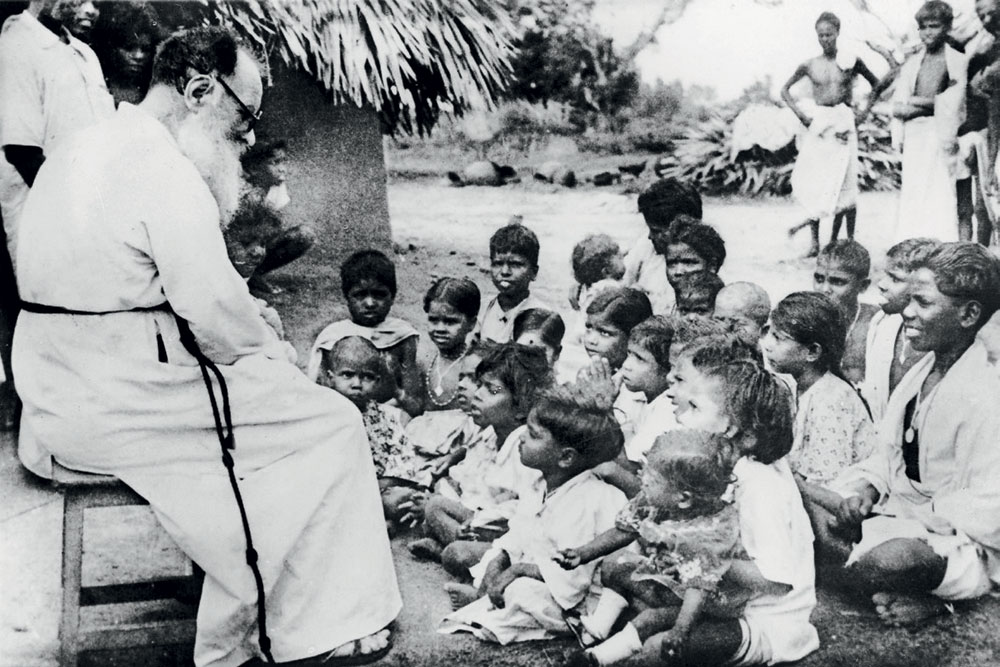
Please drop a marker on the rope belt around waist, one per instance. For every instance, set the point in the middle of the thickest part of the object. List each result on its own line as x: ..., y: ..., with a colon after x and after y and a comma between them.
x: 223, y: 429
x: 45, y: 309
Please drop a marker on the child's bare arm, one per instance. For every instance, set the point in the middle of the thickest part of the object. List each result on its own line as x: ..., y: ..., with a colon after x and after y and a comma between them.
x: 607, y: 542
x: 801, y: 72
x: 825, y: 498
x: 620, y: 473
x: 410, y: 396
x: 746, y: 574
x: 675, y: 638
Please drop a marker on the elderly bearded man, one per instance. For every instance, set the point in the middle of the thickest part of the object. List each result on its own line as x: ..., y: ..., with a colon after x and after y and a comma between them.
x: 927, y: 501
x: 121, y: 227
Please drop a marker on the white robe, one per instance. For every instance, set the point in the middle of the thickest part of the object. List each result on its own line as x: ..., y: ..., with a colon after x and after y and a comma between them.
x: 825, y: 176
x: 959, y: 428
x: 573, y: 515
x: 927, y: 199
x: 118, y: 219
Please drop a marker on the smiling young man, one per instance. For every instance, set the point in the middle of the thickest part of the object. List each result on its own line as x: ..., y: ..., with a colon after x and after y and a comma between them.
x: 888, y: 353
x: 926, y: 504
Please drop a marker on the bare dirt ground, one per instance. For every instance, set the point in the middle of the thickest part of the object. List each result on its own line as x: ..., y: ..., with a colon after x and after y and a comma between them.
x: 444, y: 230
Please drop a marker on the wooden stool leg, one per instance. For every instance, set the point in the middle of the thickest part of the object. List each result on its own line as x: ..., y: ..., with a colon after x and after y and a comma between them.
x: 72, y: 561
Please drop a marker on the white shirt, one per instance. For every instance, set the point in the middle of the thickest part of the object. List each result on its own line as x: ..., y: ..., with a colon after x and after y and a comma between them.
x: 48, y: 90
x: 776, y: 534
x: 654, y: 419
x: 646, y: 271
x: 497, y: 324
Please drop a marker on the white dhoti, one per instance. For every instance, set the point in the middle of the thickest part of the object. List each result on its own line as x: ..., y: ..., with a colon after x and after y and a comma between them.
x: 928, y: 205
x: 120, y: 220
x: 825, y: 177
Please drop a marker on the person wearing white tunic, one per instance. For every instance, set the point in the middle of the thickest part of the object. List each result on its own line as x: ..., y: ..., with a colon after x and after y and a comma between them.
x: 927, y: 502
x: 51, y: 86
x: 123, y: 224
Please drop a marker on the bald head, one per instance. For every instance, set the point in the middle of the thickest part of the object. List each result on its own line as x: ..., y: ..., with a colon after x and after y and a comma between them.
x: 357, y: 351
x: 743, y: 301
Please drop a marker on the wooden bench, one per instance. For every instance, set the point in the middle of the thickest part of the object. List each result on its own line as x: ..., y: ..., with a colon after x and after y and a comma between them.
x: 82, y: 491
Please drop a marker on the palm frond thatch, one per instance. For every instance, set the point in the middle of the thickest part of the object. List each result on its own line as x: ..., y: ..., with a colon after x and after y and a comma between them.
x: 407, y: 58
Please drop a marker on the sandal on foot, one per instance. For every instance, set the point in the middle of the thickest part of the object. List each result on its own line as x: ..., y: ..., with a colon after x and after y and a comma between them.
x: 583, y: 637
x: 355, y: 657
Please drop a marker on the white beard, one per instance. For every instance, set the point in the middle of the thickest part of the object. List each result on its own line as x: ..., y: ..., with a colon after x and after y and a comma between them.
x: 216, y: 158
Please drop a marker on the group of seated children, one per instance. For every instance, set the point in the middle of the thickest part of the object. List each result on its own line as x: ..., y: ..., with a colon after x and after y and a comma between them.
x: 664, y: 499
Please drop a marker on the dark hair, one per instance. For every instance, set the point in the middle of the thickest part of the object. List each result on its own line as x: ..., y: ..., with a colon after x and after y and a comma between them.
x: 665, y: 199
x: 760, y: 404
x: 547, y: 323
x: 692, y: 327
x: 515, y: 238
x: 829, y: 17
x: 910, y: 252
x: 121, y: 24
x: 523, y: 370
x: 591, y: 258
x: 460, y: 293
x: 581, y: 423
x: 623, y: 307
x: 850, y: 255
x: 935, y: 9
x: 701, y: 238
x: 694, y: 461
x: 367, y: 265
x: 206, y: 49
x: 696, y: 288
x: 655, y: 335
x: 811, y: 318
x: 254, y: 160
x: 966, y: 271
x: 722, y: 349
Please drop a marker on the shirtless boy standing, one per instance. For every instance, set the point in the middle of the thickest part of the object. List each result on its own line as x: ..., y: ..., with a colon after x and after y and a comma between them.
x: 825, y: 180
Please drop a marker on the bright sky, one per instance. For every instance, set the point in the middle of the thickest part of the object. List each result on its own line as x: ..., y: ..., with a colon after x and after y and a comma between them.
x: 729, y: 44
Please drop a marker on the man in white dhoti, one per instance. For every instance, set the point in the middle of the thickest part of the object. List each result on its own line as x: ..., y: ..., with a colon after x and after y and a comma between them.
x: 825, y: 177
x: 927, y: 501
x: 929, y: 101
x: 122, y: 226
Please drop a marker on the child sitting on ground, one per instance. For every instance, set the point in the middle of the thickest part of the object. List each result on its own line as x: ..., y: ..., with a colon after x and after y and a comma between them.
x: 842, y: 274
x: 688, y: 535
x: 833, y: 428
x: 692, y: 247
x: 888, y: 355
x: 353, y: 367
x: 747, y: 303
x: 645, y: 267
x: 475, y: 501
x: 452, y: 305
x: 696, y: 293
x: 368, y: 281
x: 513, y: 265
x: 519, y: 592
x: 645, y: 372
x: 725, y: 391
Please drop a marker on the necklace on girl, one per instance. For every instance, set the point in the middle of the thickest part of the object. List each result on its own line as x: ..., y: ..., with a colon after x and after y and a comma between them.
x: 437, y: 391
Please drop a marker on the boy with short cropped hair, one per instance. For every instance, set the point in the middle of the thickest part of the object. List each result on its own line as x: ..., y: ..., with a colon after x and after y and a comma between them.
x: 696, y: 293
x: 645, y: 269
x: 888, y: 355
x: 842, y: 274
x: 513, y: 265
x: 747, y: 303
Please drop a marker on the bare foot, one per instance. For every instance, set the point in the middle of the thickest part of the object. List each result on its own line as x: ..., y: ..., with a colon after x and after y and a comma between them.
x: 813, y: 252
x: 360, y: 651
x: 426, y: 548
x: 900, y: 610
x: 461, y: 594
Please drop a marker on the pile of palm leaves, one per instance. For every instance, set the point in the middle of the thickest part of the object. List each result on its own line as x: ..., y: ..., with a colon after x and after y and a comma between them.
x: 702, y: 155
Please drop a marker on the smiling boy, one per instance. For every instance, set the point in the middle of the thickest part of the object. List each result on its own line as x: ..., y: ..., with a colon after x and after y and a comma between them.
x: 513, y: 265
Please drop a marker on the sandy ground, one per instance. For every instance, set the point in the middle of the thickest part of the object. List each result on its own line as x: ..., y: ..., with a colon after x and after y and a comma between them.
x: 444, y: 231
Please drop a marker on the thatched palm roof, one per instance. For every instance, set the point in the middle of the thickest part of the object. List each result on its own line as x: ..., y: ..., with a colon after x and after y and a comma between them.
x: 407, y: 58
